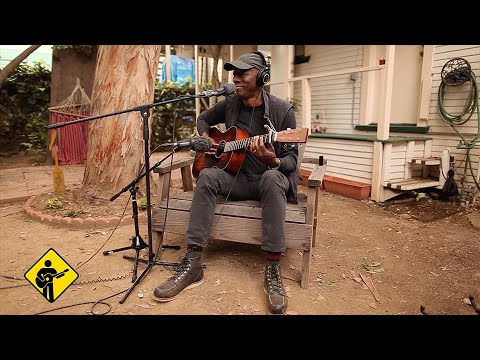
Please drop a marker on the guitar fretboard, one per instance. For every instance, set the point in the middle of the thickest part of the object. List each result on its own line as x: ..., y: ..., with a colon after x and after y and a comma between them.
x: 243, y: 143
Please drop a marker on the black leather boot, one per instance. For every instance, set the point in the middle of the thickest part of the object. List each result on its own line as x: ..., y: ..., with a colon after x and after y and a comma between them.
x: 188, y: 275
x: 276, y: 297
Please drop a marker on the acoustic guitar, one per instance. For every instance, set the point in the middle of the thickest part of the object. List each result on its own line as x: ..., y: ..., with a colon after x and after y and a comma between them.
x: 229, y: 154
x: 48, y: 278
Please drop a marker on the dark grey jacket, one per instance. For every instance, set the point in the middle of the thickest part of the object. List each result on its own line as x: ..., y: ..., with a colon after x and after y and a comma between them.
x: 278, y: 113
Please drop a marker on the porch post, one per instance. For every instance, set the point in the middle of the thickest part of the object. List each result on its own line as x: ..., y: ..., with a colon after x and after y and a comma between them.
x: 167, y: 63
x: 306, y: 104
x: 383, y: 128
x: 426, y: 85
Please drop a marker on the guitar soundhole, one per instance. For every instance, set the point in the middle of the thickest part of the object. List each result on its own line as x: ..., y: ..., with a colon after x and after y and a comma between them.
x: 220, y: 148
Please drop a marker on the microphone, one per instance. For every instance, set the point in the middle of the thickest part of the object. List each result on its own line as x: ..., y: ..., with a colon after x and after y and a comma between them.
x: 196, y: 143
x: 225, y: 90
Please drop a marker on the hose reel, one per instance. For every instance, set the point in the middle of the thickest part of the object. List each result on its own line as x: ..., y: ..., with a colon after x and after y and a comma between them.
x: 456, y: 72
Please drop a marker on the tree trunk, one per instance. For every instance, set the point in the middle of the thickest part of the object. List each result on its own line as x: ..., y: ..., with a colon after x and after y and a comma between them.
x: 124, y: 78
x: 7, y: 70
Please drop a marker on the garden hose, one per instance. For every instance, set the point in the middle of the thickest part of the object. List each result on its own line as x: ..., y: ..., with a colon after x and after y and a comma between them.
x: 456, y: 72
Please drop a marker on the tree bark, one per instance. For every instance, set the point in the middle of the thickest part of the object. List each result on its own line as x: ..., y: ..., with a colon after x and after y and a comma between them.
x: 124, y: 78
x: 7, y: 70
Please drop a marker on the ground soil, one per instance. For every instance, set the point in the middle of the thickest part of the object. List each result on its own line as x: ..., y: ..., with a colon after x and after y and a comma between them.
x: 416, y: 253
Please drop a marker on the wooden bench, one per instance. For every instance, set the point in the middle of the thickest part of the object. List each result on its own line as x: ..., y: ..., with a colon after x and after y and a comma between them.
x: 239, y: 221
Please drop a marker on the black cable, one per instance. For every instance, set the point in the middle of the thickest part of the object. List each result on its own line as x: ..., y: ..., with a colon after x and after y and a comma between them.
x: 86, y: 302
x: 84, y: 282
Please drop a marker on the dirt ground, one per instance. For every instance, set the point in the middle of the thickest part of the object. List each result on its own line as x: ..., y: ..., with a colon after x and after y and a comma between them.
x: 418, y: 253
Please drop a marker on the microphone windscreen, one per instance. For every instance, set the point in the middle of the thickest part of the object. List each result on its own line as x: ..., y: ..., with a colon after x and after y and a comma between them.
x: 201, y: 144
x: 229, y: 89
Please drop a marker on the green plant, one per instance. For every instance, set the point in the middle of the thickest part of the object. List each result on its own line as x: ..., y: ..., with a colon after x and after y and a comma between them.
x: 75, y: 213
x: 142, y: 203
x: 24, y: 101
x: 176, y: 119
x: 54, y: 203
x: 296, y: 102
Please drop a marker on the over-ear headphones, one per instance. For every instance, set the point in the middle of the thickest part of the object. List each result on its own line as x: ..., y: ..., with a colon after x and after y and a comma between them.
x: 263, y: 76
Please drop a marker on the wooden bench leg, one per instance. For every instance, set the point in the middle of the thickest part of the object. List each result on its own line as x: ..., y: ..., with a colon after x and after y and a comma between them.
x: 305, y: 269
x: 157, y: 242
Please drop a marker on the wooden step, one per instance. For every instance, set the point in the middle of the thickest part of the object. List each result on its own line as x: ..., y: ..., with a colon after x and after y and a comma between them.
x: 411, y: 184
x: 426, y: 161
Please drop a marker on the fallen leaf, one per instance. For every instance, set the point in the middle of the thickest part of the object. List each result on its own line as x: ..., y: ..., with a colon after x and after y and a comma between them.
x: 373, y: 305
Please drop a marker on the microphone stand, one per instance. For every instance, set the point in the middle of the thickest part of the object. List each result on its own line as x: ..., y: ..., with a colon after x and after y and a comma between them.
x: 145, y: 113
x: 137, y: 242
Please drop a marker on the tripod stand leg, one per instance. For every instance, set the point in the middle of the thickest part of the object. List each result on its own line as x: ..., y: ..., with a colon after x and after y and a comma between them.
x: 176, y: 247
x: 135, y: 266
x: 122, y: 300
x: 107, y: 252
x: 144, y: 261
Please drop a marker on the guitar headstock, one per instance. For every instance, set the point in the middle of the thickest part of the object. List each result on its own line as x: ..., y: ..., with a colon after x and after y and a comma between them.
x: 298, y: 135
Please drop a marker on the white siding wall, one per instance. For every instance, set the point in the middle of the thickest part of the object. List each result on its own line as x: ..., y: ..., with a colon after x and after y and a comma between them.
x: 347, y: 159
x: 444, y: 137
x: 335, y: 99
x: 398, y: 159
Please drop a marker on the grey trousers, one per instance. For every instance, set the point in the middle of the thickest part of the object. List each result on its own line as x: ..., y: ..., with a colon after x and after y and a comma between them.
x: 270, y: 189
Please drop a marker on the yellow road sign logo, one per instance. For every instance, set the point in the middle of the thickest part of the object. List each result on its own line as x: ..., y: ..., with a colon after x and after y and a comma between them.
x: 51, y: 275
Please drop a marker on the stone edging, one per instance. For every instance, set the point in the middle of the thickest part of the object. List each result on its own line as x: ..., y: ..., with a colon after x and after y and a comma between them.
x: 77, y: 222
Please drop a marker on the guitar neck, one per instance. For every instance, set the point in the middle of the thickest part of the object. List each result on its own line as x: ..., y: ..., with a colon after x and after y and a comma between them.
x: 60, y: 273
x: 243, y: 143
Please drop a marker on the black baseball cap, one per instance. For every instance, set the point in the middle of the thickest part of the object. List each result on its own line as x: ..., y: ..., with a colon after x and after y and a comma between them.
x: 245, y: 62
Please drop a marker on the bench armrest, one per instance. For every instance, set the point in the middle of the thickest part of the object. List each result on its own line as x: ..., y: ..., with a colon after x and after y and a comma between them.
x: 316, y: 176
x: 166, y: 167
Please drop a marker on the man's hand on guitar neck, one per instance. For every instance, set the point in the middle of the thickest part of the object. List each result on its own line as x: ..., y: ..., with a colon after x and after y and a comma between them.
x: 265, y: 152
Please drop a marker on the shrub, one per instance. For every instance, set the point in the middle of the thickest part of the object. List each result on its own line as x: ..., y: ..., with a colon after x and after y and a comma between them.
x: 24, y: 101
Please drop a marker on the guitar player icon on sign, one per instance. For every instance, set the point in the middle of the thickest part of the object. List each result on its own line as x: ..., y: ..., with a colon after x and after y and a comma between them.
x: 44, y: 276
x: 44, y: 280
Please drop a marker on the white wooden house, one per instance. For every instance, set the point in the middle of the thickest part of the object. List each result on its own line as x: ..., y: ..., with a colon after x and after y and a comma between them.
x: 373, y: 112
